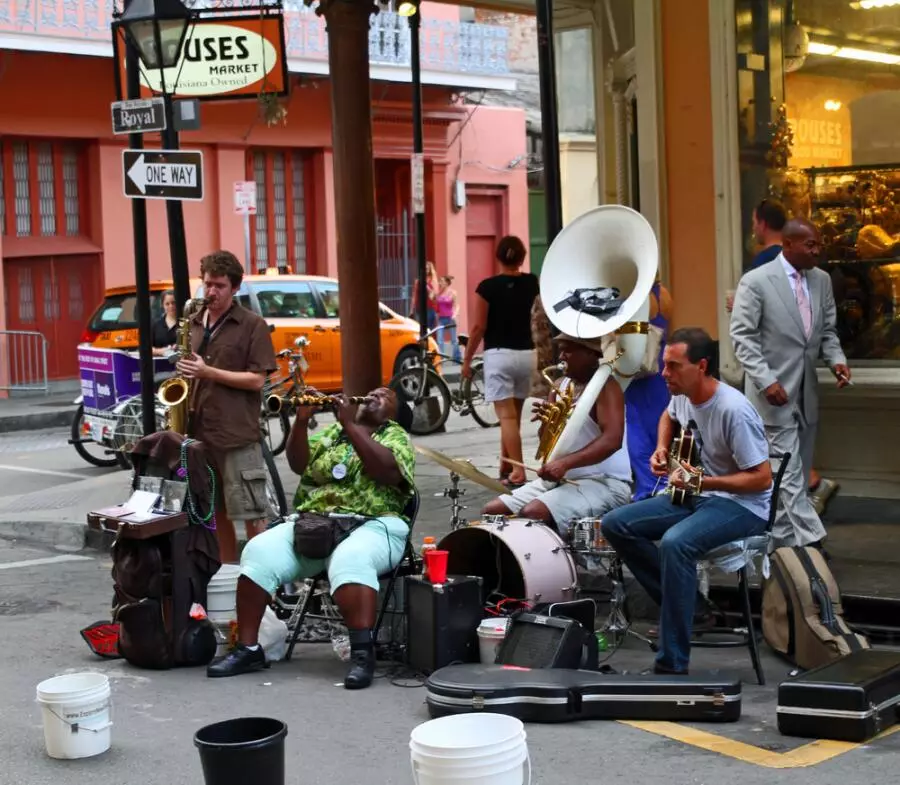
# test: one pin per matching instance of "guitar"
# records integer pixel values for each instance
(685, 447)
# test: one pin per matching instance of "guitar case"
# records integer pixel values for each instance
(560, 695)
(851, 699)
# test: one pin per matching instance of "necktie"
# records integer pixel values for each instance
(803, 303)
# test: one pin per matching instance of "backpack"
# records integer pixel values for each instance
(802, 616)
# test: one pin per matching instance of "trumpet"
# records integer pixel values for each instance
(553, 416)
(275, 403)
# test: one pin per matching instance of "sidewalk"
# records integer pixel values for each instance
(35, 412)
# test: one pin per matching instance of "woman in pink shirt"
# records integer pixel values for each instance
(447, 311)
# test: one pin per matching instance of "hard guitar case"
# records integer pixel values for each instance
(560, 695)
(851, 699)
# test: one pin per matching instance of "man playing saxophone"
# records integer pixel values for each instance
(597, 467)
(232, 355)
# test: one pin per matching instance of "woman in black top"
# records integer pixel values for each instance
(165, 329)
(502, 318)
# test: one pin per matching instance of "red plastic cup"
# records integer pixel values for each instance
(437, 565)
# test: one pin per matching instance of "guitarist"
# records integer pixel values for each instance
(727, 500)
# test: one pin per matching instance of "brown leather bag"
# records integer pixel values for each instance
(802, 616)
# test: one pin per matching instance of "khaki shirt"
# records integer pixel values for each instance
(226, 418)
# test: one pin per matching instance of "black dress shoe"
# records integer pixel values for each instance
(659, 670)
(239, 660)
(362, 668)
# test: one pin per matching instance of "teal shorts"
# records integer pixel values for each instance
(372, 550)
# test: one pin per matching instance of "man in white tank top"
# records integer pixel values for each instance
(597, 465)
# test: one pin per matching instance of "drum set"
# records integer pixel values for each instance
(527, 560)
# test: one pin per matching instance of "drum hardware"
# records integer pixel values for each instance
(453, 493)
(463, 468)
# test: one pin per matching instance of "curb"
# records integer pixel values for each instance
(56, 534)
(35, 421)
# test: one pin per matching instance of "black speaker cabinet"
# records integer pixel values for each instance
(535, 641)
(442, 621)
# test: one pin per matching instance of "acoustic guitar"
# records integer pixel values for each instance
(685, 447)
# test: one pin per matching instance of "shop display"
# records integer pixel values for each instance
(857, 211)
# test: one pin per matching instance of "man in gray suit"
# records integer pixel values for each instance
(783, 322)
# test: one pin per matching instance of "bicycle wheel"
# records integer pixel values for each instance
(473, 394)
(431, 406)
(92, 455)
(275, 430)
(274, 487)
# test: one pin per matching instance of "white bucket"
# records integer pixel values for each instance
(491, 633)
(76, 710)
(221, 594)
(470, 749)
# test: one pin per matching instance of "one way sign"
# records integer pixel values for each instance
(163, 174)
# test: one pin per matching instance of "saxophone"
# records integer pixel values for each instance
(174, 393)
(553, 415)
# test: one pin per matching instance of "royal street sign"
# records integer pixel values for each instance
(130, 117)
(163, 174)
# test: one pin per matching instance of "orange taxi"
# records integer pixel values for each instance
(296, 305)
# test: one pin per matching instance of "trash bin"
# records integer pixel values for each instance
(244, 750)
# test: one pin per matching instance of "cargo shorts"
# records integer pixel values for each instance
(242, 479)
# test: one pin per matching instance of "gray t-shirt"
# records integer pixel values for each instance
(732, 438)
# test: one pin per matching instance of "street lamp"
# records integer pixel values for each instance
(157, 28)
(410, 9)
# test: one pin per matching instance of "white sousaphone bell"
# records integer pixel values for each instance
(610, 246)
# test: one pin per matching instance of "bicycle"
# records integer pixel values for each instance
(420, 383)
(285, 387)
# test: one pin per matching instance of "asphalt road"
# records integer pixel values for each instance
(338, 737)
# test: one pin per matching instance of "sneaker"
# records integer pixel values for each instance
(822, 493)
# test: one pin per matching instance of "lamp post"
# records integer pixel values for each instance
(157, 29)
(410, 9)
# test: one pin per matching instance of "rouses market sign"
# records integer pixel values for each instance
(227, 57)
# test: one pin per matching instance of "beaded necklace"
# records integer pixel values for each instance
(208, 520)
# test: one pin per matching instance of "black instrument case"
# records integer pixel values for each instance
(561, 695)
(851, 699)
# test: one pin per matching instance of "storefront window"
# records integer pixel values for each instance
(819, 88)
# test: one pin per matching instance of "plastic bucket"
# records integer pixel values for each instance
(470, 749)
(76, 711)
(221, 594)
(244, 750)
(491, 633)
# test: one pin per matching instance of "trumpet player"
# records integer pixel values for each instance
(232, 355)
(597, 467)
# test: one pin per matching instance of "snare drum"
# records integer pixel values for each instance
(586, 536)
(516, 557)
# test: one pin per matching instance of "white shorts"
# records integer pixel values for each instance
(507, 373)
(591, 498)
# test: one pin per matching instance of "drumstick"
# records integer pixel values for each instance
(532, 469)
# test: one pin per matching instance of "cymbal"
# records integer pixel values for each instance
(463, 469)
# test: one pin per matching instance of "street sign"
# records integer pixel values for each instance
(417, 169)
(138, 117)
(245, 197)
(163, 174)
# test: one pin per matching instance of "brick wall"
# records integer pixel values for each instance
(522, 42)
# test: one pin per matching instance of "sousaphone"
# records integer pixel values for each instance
(608, 248)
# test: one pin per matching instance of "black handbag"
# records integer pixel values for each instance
(316, 536)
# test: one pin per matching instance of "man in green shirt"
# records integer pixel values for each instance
(364, 465)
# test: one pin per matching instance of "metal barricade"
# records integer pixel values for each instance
(23, 357)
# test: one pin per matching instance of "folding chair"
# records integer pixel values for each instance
(405, 566)
(738, 557)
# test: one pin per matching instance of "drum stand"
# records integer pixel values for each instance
(453, 493)
(617, 623)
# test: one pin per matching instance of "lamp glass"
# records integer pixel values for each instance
(407, 8)
(171, 36)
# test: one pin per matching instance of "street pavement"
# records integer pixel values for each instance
(335, 737)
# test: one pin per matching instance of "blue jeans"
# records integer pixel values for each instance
(669, 572)
(448, 338)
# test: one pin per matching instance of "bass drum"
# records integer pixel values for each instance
(516, 557)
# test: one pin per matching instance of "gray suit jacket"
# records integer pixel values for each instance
(769, 340)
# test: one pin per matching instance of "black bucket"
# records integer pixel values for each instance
(237, 752)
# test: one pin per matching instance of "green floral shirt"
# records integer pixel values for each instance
(355, 492)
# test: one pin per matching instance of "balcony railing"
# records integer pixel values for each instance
(451, 47)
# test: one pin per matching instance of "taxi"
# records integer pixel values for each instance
(294, 305)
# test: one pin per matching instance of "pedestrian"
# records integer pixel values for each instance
(232, 355)
(447, 302)
(431, 290)
(165, 329)
(502, 318)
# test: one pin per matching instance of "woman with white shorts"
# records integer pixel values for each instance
(502, 319)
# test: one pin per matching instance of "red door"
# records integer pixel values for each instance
(484, 228)
(55, 296)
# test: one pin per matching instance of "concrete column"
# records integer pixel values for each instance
(4, 346)
(325, 260)
(347, 23)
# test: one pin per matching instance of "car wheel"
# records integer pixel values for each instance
(407, 358)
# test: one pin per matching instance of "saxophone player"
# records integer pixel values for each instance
(598, 464)
(232, 355)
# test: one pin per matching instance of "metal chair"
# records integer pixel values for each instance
(744, 552)
(405, 566)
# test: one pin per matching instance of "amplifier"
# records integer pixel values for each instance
(535, 641)
(442, 621)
